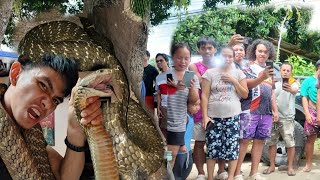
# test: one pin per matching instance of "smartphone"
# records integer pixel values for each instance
(285, 80)
(270, 64)
(188, 76)
(169, 77)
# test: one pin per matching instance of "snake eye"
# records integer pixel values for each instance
(100, 70)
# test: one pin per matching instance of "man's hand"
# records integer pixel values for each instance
(267, 73)
(236, 39)
(159, 113)
(287, 87)
(308, 118)
(275, 116)
(91, 114)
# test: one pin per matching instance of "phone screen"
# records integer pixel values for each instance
(270, 64)
(188, 76)
(169, 77)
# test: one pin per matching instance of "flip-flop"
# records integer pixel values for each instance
(267, 171)
(291, 173)
(306, 169)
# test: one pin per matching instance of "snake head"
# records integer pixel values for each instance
(98, 83)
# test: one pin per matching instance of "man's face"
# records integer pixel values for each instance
(207, 51)
(36, 94)
(161, 63)
(286, 71)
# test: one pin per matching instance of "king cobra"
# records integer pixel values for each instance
(128, 143)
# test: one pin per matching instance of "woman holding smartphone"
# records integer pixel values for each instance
(177, 95)
(221, 91)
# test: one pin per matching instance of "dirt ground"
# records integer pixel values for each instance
(279, 175)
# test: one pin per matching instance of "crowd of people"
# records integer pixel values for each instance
(239, 102)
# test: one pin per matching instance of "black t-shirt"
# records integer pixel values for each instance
(149, 76)
(4, 174)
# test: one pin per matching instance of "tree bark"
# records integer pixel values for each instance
(127, 32)
(5, 14)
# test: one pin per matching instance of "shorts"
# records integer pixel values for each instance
(222, 138)
(285, 129)
(312, 129)
(175, 138)
(199, 133)
(182, 166)
(255, 126)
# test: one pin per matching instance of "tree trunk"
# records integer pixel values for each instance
(5, 13)
(127, 32)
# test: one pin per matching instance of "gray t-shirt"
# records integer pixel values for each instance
(285, 101)
(223, 101)
(177, 105)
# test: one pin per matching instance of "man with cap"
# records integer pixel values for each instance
(308, 92)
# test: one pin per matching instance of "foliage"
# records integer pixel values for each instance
(221, 24)
(301, 67)
(211, 4)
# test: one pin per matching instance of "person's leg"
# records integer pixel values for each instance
(179, 166)
(309, 151)
(287, 133)
(174, 149)
(221, 166)
(242, 153)
(199, 155)
(210, 168)
(248, 127)
(263, 132)
(256, 153)
(275, 134)
(232, 165)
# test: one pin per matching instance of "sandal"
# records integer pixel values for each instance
(267, 171)
(291, 173)
(222, 176)
(256, 176)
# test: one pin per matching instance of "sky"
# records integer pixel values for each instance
(160, 36)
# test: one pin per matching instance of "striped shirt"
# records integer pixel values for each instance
(175, 101)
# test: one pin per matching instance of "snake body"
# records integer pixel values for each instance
(128, 130)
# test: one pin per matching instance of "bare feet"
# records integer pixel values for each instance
(269, 170)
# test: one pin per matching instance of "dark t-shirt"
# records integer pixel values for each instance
(4, 174)
(149, 76)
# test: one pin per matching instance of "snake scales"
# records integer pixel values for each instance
(136, 144)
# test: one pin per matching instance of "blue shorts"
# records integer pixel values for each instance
(222, 138)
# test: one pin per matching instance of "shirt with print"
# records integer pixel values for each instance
(223, 100)
(308, 89)
(259, 99)
(201, 68)
(285, 101)
(176, 101)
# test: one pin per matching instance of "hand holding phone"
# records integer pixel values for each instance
(284, 80)
(269, 64)
(169, 77)
(188, 76)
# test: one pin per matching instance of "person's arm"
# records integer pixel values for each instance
(240, 86)
(205, 87)
(318, 106)
(274, 107)
(255, 82)
(305, 106)
(192, 67)
(73, 162)
(293, 89)
(193, 95)
(159, 113)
